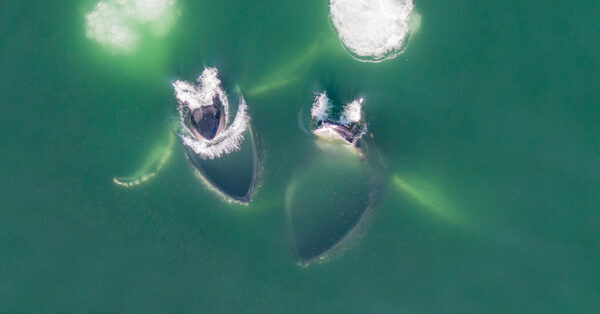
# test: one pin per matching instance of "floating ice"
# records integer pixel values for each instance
(350, 125)
(192, 97)
(118, 23)
(373, 30)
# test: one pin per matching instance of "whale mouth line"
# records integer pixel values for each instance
(151, 167)
(340, 246)
(120, 24)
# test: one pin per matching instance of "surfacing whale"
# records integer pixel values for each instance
(224, 155)
(328, 200)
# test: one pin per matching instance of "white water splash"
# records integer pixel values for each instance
(373, 30)
(194, 97)
(118, 23)
(352, 112)
(191, 97)
(321, 106)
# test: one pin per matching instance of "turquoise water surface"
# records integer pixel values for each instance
(487, 127)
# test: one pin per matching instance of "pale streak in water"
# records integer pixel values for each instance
(289, 72)
(191, 97)
(431, 199)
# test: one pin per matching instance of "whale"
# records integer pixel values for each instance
(329, 200)
(223, 154)
(335, 130)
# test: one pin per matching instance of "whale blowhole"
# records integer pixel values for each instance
(328, 202)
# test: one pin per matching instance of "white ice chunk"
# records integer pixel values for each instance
(373, 30)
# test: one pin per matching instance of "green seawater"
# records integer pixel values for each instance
(488, 128)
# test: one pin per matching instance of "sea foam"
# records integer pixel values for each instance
(119, 23)
(373, 30)
(321, 106)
